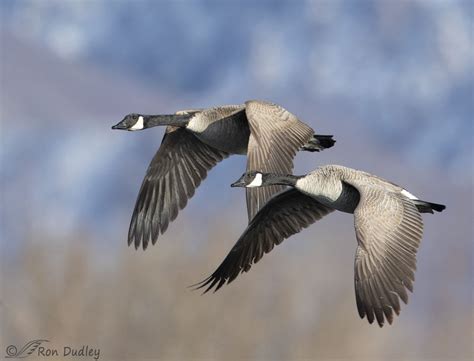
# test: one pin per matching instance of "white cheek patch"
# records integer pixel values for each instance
(257, 181)
(139, 124)
(408, 194)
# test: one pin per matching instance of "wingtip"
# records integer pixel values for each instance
(132, 243)
(199, 285)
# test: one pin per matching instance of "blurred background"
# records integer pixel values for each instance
(392, 80)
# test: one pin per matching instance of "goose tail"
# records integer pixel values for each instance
(428, 207)
(318, 143)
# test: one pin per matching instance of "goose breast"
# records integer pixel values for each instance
(225, 128)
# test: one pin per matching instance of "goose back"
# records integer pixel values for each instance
(331, 185)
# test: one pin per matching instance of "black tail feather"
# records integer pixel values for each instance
(428, 207)
(318, 143)
(326, 141)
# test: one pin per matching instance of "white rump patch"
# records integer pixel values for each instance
(139, 124)
(257, 181)
(408, 194)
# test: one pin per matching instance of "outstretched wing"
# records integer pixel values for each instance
(174, 173)
(275, 137)
(284, 215)
(388, 229)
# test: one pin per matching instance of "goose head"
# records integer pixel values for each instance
(131, 122)
(249, 180)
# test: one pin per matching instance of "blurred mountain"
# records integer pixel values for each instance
(40, 89)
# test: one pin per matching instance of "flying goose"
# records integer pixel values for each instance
(387, 223)
(196, 140)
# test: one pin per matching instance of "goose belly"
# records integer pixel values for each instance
(337, 195)
(347, 200)
(228, 135)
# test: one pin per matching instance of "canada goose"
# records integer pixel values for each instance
(387, 222)
(196, 140)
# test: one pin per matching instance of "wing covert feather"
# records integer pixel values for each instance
(275, 137)
(388, 229)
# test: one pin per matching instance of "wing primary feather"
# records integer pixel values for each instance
(264, 232)
(176, 170)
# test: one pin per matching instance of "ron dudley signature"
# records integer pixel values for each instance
(42, 348)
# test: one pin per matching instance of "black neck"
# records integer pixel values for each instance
(277, 179)
(180, 120)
